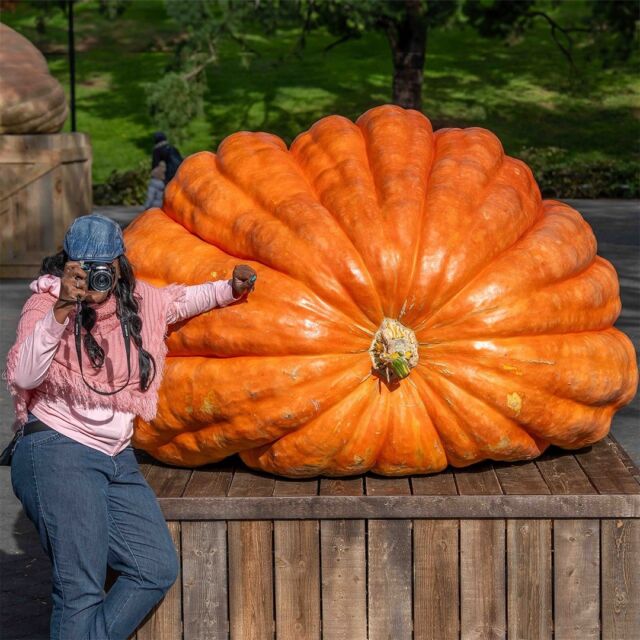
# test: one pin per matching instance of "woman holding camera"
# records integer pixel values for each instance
(88, 358)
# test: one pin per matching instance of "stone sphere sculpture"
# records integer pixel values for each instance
(31, 99)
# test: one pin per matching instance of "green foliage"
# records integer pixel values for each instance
(123, 187)
(519, 91)
(113, 8)
(174, 101)
(561, 176)
(617, 25)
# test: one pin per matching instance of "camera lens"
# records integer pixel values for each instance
(100, 278)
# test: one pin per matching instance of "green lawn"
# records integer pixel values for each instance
(525, 93)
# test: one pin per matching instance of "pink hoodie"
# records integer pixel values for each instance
(104, 428)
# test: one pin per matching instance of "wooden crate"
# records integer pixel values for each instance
(45, 183)
(536, 550)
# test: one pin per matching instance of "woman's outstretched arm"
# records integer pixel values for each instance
(199, 298)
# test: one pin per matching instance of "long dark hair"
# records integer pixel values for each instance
(127, 308)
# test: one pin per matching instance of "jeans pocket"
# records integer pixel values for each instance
(43, 437)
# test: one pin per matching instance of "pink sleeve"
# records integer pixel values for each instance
(199, 298)
(37, 351)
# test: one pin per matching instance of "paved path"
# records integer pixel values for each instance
(24, 569)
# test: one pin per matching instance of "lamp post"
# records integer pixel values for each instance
(72, 62)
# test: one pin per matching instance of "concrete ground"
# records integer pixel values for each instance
(25, 585)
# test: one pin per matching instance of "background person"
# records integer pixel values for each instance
(163, 151)
(155, 189)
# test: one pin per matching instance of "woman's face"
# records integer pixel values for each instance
(97, 297)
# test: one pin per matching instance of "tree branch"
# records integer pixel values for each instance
(196, 70)
(348, 36)
(566, 51)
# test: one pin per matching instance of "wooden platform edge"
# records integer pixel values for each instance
(632, 467)
(402, 507)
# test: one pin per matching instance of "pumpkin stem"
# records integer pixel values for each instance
(394, 350)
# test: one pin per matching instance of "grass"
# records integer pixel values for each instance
(525, 93)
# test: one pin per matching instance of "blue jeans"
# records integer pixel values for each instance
(90, 510)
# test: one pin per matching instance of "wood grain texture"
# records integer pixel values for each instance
(168, 482)
(399, 507)
(213, 480)
(482, 563)
(436, 565)
(436, 606)
(248, 483)
(577, 579)
(529, 579)
(606, 470)
(344, 571)
(563, 475)
(251, 580)
(204, 580)
(250, 545)
(479, 479)
(631, 466)
(439, 484)
(297, 569)
(620, 579)
(520, 478)
(390, 579)
(45, 183)
(389, 557)
(164, 621)
(482, 579)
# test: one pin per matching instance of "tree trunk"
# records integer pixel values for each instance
(408, 41)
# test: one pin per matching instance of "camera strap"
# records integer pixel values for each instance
(127, 346)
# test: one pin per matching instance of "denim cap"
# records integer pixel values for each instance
(94, 238)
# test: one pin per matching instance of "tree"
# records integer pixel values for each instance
(178, 96)
(405, 23)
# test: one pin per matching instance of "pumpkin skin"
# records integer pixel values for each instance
(510, 306)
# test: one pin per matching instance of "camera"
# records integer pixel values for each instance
(100, 276)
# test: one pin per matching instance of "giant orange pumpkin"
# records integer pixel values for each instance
(417, 305)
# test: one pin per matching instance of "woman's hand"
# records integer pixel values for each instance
(73, 287)
(243, 279)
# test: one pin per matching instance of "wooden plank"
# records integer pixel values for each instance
(204, 580)
(168, 482)
(439, 484)
(344, 575)
(529, 579)
(297, 569)
(606, 470)
(250, 580)
(249, 483)
(392, 507)
(211, 480)
(577, 579)
(482, 579)
(482, 561)
(620, 579)
(250, 546)
(562, 473)
(621, 452)
(204, 561)
(522, 478)
(164, 621)
(389, 581)
(478, 479)
(529, 557)
(436, 565)
(377, 486)
(436, 579)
